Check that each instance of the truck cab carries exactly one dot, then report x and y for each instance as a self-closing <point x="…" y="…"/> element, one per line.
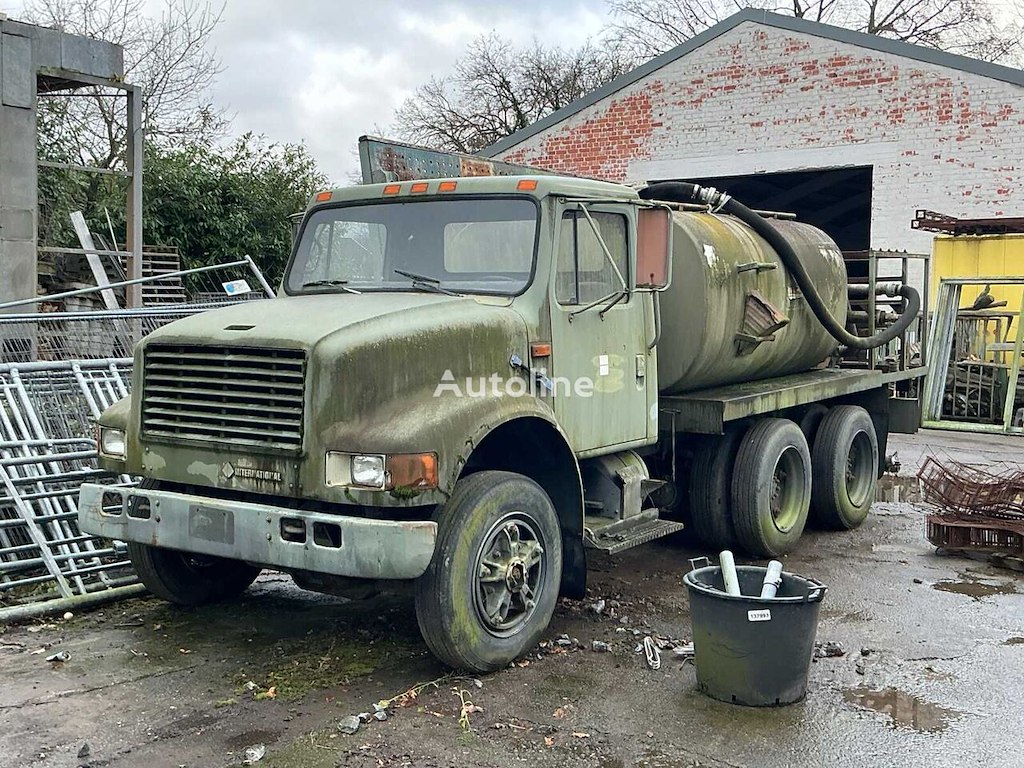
<point x="457" y="385"/>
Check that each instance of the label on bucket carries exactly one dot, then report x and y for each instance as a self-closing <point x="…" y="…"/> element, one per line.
<point x="764" y="614"/>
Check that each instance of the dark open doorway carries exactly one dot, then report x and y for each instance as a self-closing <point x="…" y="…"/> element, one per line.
<point x="836" y="200"/>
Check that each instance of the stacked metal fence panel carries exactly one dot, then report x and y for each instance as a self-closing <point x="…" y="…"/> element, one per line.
<point x="47" y="450"/>
<point x="58" y="371"/>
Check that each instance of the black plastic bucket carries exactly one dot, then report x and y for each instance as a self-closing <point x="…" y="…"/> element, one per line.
<point x="748" y="650"/>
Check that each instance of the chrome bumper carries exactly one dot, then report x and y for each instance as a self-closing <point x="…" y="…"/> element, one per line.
<point x="259" y="533"/>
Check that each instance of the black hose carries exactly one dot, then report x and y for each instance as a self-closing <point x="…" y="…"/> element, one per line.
<point x="683" y="192"/>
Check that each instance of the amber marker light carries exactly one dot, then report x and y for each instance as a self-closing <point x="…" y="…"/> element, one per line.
<point x="323" y="197"/>
<point x="392" y="189"/>
<point x="447" y="186"/>
<point x="418" y="187"/>
<point x="412" y="470"/>
<point x="527" y="185"/>
<point x="540" y="349"/>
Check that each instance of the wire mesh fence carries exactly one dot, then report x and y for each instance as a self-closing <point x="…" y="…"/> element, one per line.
<point x="59" y="369"/>
<point x="65" y="326"/>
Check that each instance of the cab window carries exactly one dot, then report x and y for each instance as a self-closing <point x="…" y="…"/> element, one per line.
<point x="584" y="273"/>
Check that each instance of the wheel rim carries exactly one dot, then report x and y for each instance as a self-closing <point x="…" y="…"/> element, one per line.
<point x="785" y="498"/>
<point x="859" y="470"/>
<point x="509" y="574"/>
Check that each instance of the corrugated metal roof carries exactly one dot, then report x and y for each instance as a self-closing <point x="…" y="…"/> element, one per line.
<point x="789" y="23"/>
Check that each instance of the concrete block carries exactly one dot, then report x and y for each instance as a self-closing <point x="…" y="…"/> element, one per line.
<point x="17" y="223"/>
<point x="91" y="57"/>
<point x="18" y="265"/>
<point x="46" y="48"/>
<point x="17" y="157"/>
<point x="17" y="88"/>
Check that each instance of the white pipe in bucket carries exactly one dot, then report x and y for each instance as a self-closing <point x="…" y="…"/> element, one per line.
<point x="772" y="579"/>
<point x="728" y="565"/>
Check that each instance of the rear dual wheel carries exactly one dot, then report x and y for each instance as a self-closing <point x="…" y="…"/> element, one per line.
<point x="771" y="487"/>
<point x="845" y="464"/>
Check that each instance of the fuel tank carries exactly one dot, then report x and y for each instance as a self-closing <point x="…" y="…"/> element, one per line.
<point x="733" y="313"/>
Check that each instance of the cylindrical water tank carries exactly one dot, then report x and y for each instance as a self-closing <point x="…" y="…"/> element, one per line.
<point x="733" y="313"/>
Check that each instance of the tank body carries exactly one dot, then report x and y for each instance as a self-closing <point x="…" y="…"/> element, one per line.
<point x="726" y="280"/>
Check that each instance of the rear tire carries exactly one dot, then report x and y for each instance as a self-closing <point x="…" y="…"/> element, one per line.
<point x="771" y="488"/>
<point x="810" y="421"/>
<point x="710" y="504"/>
<point x="491" y="588"/>
<point x="187" y="579"/>
<point x="845" y="468"/>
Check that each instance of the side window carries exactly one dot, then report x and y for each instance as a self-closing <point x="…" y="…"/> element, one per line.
<point x="583" y="272"/>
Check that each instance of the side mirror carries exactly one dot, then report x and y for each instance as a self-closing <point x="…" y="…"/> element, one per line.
<point x="653" y="248"/>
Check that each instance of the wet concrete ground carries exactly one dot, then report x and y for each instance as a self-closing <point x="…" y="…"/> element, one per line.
<point x="931" y="676"/>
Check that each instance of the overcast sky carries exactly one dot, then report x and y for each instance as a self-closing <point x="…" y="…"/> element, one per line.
<point x="324" y="73"/>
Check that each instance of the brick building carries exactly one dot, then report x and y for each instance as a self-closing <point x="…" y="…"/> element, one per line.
<point x="850" y="131"/>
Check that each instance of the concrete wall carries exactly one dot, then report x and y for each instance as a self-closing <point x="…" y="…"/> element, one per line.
<point x="26" y="53"/>
<point x="763" y="99"/>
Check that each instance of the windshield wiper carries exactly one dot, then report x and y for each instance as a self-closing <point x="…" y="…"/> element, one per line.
<point x="424" y="283"/>
<point x="342" y="283"/>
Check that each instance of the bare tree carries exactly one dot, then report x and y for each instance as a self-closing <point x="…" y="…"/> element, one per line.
<point x="496" y="90"/>
<point x="167" y="56"/>
<point x="645" y="28"/>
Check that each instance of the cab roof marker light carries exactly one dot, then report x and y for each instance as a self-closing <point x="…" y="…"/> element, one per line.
<point x="527" y="185"/>
<point x="447" y="186"/>
<point x="418" y="187"/>
<point x="325" y="196"/>
<point x="392" y="189"/>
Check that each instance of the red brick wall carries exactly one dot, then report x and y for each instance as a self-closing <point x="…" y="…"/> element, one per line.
<point x="762" y="99"/>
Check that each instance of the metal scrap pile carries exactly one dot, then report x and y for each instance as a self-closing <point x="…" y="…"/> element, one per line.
<point x="979" y="510"/>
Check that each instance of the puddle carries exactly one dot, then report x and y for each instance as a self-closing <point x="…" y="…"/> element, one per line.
<point x="903" y="709"/>
<point x="976" y="589"/>
<point x="899" y="488"/>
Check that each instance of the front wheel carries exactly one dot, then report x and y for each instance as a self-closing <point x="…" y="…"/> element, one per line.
<point x="491" y="587"/>
<point x="188" y="579"/>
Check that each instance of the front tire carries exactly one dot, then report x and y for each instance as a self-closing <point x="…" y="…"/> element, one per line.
<point x="187" y="579"/>
<point x="491" y="588"/>
<point x="845" y="464"/>
<point x="771" y="488"/>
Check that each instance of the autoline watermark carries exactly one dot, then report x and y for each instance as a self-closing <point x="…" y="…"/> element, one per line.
<point x="496" y="385"/>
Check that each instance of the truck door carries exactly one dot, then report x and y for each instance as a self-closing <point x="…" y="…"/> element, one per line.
<point x="598" y="332"/>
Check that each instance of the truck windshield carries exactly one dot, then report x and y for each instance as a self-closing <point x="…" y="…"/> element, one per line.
<point x="449" y="246"/>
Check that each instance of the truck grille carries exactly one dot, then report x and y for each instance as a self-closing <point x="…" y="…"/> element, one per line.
<point x="229" y="394"/>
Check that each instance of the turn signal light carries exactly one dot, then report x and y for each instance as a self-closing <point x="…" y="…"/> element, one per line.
<point x="540" y="349"/>
<point x="412" y="470"/>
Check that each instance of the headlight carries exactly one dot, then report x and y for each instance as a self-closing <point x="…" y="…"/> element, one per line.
<point x="414" y="471"/>
<point x="368" y="471"/>
<point x="112" y="442"/>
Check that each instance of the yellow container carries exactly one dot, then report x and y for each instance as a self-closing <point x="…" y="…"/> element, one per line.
<point x="979" y="256"/>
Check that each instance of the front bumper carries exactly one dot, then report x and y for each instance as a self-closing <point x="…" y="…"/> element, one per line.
<point x="259" y="533"/>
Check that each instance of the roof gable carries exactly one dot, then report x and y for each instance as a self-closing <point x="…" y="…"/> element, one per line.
<point x="788" y="23"/>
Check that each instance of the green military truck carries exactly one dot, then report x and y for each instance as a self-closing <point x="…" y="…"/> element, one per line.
<point x="467" y="382"/>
